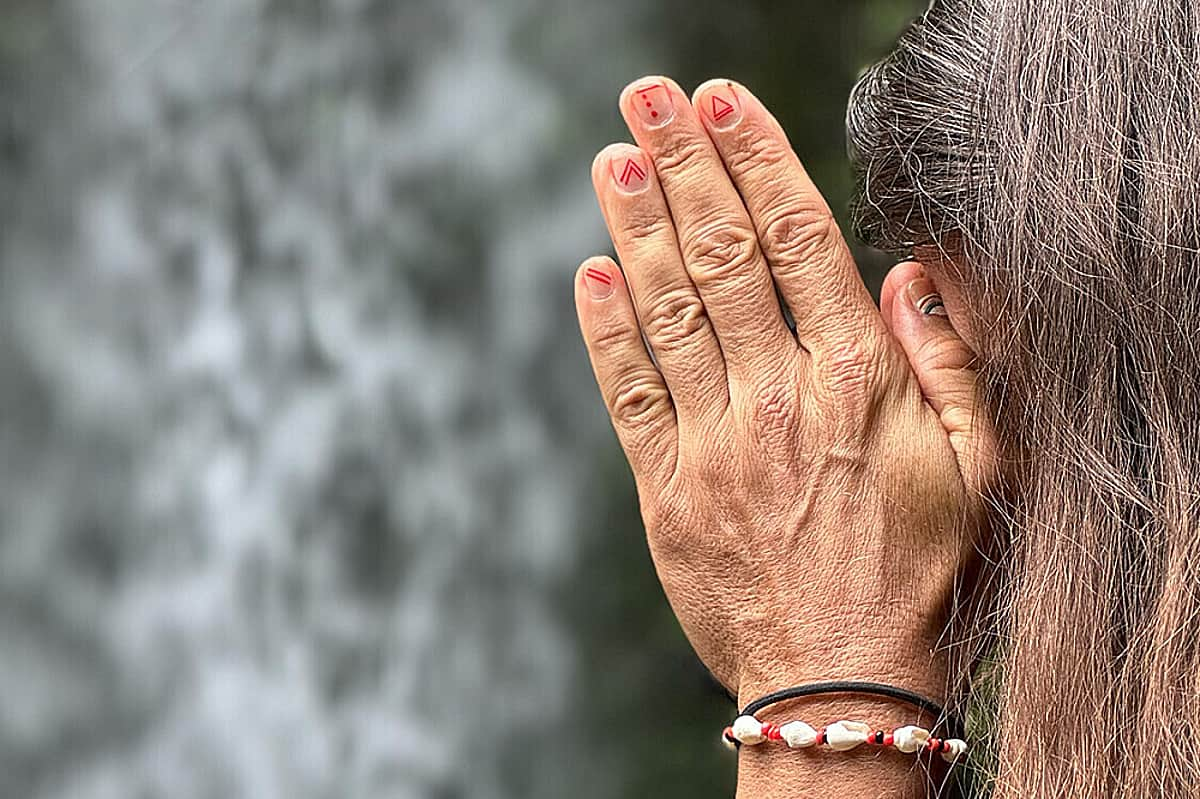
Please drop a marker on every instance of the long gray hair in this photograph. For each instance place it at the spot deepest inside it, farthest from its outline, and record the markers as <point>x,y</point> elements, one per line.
<point>1051,150</point>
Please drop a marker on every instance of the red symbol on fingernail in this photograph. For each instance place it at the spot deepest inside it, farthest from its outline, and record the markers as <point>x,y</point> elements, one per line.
<point>632,170</point>
<point>643,92</point>
<point>596,274</point>
<point>720,109</point>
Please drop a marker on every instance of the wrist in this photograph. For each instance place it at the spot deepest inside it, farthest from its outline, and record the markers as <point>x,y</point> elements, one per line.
<point>914,663</point>
<point>774,769</point>
<point>866,769</point>
<point>849,630</point>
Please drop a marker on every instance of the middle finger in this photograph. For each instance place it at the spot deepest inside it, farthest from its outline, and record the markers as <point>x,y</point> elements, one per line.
<point>717,238</point>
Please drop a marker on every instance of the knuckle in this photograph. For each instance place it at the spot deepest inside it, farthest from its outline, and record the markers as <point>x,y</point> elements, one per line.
<point>645,223</point>
<point>639,397</point>
<point>667,509</point>
<point>802,235</point>
<point>755,151</point>
<point>774,422</point>
<point>668,525</point>
<point>610,340</point>
<point>774,408</point>
<point>851,370</point>
<point>938,353</point>
<point>679,155</point>
<point>715,472</point>
<point>958,419</point>
<point>677,318</point>
<point>718,252</point>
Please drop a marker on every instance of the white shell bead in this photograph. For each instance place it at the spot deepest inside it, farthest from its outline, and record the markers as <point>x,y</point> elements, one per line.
<point>842,736</point>
<point>798,734</point>
<point>958,747</point>
<point>910,739</point>
<point>748,730</point>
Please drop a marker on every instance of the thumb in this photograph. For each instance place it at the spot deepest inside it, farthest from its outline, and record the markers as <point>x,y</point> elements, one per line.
<point>945,367</point>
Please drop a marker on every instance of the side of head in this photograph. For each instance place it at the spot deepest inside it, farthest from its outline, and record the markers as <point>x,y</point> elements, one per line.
<point>1042,158</point>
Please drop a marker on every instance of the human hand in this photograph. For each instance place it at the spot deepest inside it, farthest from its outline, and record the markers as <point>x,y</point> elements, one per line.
<point>800,492</point>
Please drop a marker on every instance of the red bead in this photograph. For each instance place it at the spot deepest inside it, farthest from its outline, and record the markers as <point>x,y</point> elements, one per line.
<point>889,739</point>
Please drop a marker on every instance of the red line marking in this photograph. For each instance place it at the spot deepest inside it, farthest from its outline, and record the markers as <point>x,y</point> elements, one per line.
<point>631,169</point>
<point>651,88</point>
<point>720,111</point>
<point>598,275</point>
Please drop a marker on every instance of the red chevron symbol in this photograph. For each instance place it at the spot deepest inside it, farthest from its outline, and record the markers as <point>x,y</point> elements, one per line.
<point>720,108</point>
<point>632,170</point>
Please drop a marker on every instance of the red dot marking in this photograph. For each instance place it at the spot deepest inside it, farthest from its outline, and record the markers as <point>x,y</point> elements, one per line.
<point>653,113</point>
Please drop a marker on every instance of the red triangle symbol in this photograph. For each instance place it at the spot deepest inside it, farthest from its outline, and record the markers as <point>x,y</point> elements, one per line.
<point>720,108</point>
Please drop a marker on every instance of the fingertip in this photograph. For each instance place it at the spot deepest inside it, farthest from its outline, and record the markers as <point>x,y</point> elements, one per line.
<point>718,103</point>
<point>920,322</point>
<point>596,280</point>
<point>599,159</point>
<point>923,298</point>
<point>648,82</point>
<point>623,166</point>
<point>893,287</point>
<point>604,263</point>
<point>602,159</point>
<point>644,89</point>
<point>711,83</point>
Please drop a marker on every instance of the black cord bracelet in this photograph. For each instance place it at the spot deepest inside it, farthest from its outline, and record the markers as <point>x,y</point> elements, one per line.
<point>954,725</point>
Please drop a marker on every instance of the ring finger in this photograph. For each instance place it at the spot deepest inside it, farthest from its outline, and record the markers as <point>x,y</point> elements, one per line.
<point>669,308</point>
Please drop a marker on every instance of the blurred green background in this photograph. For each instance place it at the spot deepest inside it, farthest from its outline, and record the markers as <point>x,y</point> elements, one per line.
<point>305,487</point>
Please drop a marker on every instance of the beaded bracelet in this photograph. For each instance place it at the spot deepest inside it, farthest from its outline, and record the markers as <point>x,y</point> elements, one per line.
<point>840,736</point>
<point>843,735</point>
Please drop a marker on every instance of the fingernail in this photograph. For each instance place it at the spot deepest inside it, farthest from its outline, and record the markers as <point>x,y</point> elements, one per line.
<point>630,172</point>
<point>599,282</point>
<point>721,107</point>
<point>652,103</point>
<point>925,298</point>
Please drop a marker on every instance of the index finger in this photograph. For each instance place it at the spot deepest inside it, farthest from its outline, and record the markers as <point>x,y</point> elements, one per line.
<point>804,247</point>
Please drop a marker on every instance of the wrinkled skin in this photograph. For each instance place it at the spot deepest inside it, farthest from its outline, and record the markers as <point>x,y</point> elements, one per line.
<point>799,490</point>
